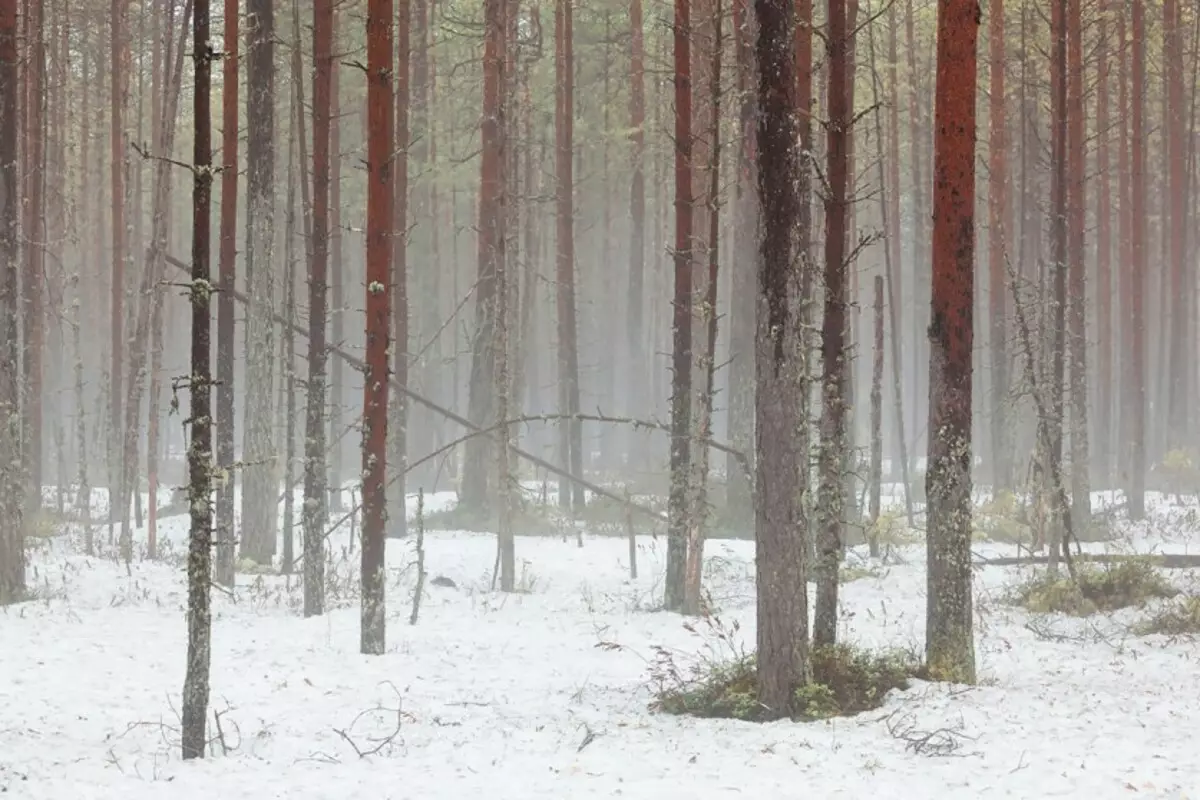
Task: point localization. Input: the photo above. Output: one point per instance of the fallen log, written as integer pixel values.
(358, 364)
(1164, 560)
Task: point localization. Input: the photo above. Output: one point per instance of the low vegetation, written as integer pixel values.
(1096, 588)
(846, 680)
(1181, 618)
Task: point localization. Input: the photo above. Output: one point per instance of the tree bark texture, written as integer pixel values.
(200, 456)
(949, 644)
(780, 537)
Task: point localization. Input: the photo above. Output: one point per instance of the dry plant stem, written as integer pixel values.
(1056, 482)
(420, 587)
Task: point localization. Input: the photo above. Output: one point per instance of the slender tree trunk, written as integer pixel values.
(200, 455)
(481, 410)
(636, 373)
(678, 511)
(568, 355)
(739, 493)
(288, 361)
(1124, 253)
(920, 208)
(226, 526)
(1076, 252)
(780, 537)
(337, 300)
(1104, 421)
(876, 479)
(999, 212)
(260, 485)
(1137, 356)
(380, 196)
(831, 492)
(949, 638)
(119, 83)
(1182, 277)
(398, 424)
(500, 348)
(314, 422)
(12, 491)
(33, 286)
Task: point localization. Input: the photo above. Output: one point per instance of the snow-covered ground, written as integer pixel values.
(544, 694)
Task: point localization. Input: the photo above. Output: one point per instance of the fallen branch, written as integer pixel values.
(1164, 560)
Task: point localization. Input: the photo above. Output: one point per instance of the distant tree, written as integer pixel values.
(200, 455)
(780, 538)
(949, 644)
(225, 311)
(380, 196)
(1138, 351)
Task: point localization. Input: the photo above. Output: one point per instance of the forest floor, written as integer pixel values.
(544, 694)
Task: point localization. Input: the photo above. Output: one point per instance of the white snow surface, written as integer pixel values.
(544, 694)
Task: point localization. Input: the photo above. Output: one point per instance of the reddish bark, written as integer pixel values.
(380, 196)
(681, 322)
(949, 647)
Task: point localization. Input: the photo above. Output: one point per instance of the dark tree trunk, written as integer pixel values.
(678, 511)
(831, 492)
(780, 538)
(380, 196)
(949, 642)
(314, 421)
(200, 455)
(12, 496)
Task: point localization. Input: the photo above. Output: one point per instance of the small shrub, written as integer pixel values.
(846, 680)
(858, 572)
(1002, 519)
(1176, 619)
(1126, 583)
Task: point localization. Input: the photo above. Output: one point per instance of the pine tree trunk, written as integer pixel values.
(118, 81)
(1104, 420)
(949, 644)
(780, 538)
(1182, 277)
(337, 387)
(1137, 189)
(831, 491)
(876, 479)
(999, 213)
(637, 385)
(12, 495)
(1077, 272)
(678, 511)
(32, 287)
(227, 476)
(380, 196)
(398, 420)
(260, 485)
(200, 456)
(318, 270)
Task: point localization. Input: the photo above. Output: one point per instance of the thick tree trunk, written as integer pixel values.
(226, 530)
(200, 455)
(949, 643)
(12, 484)
(780, 537)
(678, 510)
(835, 404)
(380, 196)
(260, 484)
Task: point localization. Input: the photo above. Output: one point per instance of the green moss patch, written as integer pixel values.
(1124, 584)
